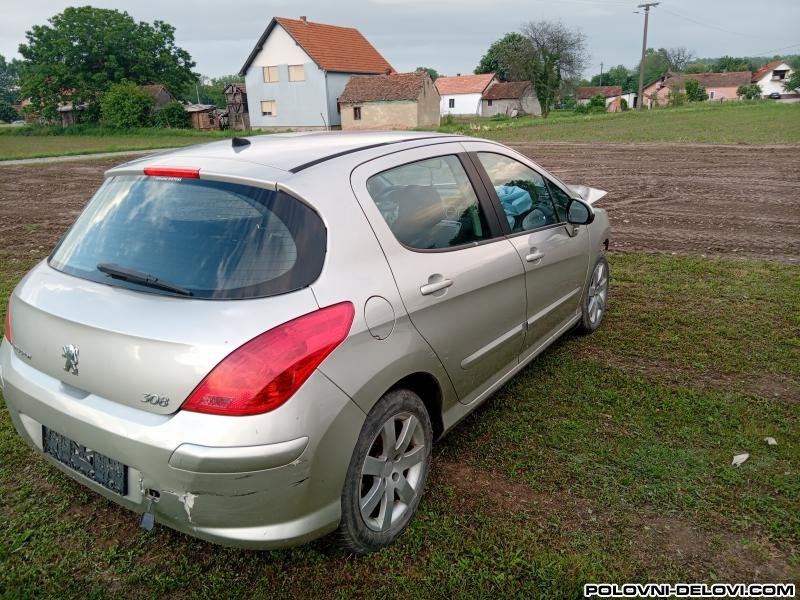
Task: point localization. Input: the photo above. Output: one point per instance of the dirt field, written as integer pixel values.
(683, 199)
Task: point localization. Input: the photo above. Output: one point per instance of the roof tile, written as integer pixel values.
(464, 84)
(386, 88)
(606, 91)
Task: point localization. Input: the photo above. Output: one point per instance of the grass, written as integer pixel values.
(36, 142)
(706, 123)
(607, 459)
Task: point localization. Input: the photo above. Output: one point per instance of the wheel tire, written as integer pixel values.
(373, 470)
(595, 298)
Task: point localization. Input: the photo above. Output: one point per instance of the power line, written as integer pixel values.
(766, 52)
(710, 26)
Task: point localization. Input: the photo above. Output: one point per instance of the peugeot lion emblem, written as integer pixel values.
(70, 355)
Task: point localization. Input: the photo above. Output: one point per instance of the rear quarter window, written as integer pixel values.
(216, 240)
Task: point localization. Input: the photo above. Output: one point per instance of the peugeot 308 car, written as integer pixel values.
(257, 342)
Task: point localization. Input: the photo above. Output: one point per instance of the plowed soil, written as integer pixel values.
(701, 200)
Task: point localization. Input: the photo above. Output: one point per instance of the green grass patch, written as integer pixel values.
(594, 470)
(706, 123)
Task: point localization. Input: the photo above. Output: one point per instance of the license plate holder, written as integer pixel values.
(105, 471)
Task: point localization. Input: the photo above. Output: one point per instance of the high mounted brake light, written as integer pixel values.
(182, 172)
(265, 372)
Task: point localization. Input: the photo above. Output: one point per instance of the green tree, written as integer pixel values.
(728, 64)
(126, 105)
(619, 75)
(793, 82)
(173, 116)
(430, 71)
(749, 92)
(676, 97)
(85, 50)
(7, 112)
(656, 63)
(9, 81)
(210, 90)
(502, 57)
(695, 92)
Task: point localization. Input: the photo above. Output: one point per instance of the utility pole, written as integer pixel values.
(646, 7)
(601, 73)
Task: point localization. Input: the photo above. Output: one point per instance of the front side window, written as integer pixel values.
(270, 74)
(522, 192)
(297, 73)
(195, 238)
(430, 204)
(451, 103)
(269, 108)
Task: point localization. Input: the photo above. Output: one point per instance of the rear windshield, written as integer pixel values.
(191, 237)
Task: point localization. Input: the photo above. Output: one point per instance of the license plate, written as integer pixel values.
(109, 473)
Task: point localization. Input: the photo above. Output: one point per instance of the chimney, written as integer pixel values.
(303, 19)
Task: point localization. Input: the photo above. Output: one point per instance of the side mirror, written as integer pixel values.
(579, 213)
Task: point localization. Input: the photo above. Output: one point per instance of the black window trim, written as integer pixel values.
(496, 232)
(488, 186)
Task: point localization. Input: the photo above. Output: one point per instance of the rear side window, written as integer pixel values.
(429, 204)
(204, 239)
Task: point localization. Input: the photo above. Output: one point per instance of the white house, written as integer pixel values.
(462, 94)
(771, 77)
(298, 69)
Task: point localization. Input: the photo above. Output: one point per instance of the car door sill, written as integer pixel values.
(481, 352)
(550, 308)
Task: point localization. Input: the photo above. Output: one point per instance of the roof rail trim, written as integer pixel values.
(323, 159)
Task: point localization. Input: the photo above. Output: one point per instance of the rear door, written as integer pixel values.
(554, 253)
(461, 281)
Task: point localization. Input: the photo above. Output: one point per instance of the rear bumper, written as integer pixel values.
(264, 481)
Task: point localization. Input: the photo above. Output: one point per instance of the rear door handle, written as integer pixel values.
(436, 286)
(534, 256)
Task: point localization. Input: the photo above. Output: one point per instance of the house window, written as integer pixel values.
(451, 103)
(490, 102)
(297, 73)
(270, 74)
(356, 113)
(711, 95)
(779, 75)
(269, 108)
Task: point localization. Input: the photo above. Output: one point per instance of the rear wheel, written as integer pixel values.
(387, 473)
(595, 299)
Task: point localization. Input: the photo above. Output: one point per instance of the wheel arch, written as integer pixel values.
(427, 387)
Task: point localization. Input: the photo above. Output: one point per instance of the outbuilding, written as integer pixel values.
(462, 94)
(510, 98)
(393, 101)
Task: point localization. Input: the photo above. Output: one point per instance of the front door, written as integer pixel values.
(461, 281)
(554, 253)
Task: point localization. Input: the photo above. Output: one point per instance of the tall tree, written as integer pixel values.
(727, 64)
(503, 57)
(679, 57)
(557, 56)
(430, 71)
(9, 81)
(619, 75)
(656, 63)
(84, 50)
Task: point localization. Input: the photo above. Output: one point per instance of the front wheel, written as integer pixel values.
(595, 299)
(387, 473)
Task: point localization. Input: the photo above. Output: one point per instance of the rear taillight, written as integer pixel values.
(7, 330)
(181, 172)
(266, 371)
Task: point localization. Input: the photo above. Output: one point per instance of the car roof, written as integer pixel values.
(295, 152)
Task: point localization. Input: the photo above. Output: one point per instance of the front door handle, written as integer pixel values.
(436, 286)
(534, 256)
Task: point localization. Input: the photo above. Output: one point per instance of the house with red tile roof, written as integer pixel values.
(462, 94)
(718, 86)
(393, 101)
(611, 93)
(298, 69)
(510, 98)
(771, 77)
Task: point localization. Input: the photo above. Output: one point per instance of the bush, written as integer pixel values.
(8, 113)
(695, 92)
(749, 92)
(597, 104)
(173, 116)
(126, 105)
(623, 104)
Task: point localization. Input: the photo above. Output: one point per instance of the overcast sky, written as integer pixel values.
(448, 35)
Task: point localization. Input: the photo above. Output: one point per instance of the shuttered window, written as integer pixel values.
(270, 74)
(269, 108)
(297, 73)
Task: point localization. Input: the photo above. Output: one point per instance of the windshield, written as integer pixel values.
(191, 237)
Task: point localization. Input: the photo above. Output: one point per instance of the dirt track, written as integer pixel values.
(685, 199)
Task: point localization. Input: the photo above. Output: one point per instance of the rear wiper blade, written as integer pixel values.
(134, 276)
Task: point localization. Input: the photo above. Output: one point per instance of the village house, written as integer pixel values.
(611, 93)
(463, 94)
(393, 101)
(298, 69)
(719, 86)
(510, 98)
(204, 116)
(771, 77)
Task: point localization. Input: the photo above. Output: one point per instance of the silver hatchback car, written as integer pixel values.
(256, 342)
